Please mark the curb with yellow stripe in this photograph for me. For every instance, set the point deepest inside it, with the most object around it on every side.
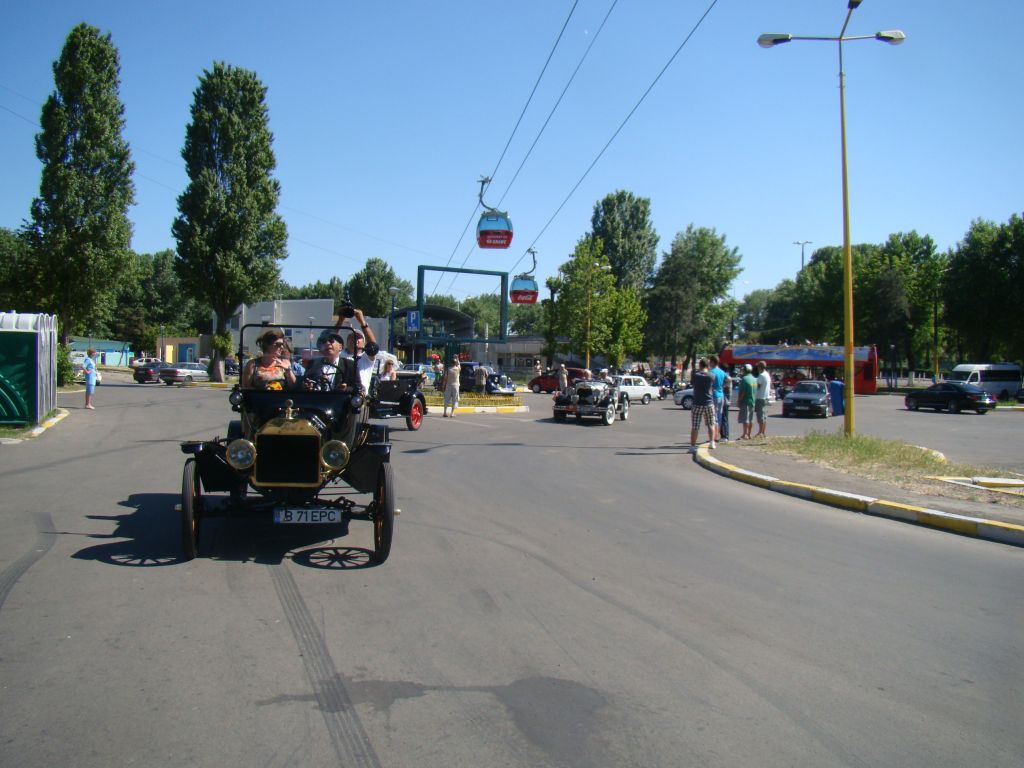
(992, 530)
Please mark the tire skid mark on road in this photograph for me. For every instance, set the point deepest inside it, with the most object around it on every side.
(45, 537)
(348, 737)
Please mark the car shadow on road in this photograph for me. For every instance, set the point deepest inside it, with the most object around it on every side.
(150, 535)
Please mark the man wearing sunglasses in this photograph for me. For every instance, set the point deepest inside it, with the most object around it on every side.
(332, 371)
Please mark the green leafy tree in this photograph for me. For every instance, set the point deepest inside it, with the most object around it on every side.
(442, 300)
(369, 288)
(80, 234)
(526, 319)
(626, 318)
(485, 310)
(587, 298)
(622, 221)
(229, 236)
(332, 289)
(982, 289)
(689, 289)
(779, 314)
(15, 262)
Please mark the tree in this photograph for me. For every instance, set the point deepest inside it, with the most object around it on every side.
(622, 221)
(526, 319)
(626, 320)
(15, 261)
(229, 236)
(80, 234)
(688, 290)
(369, 288)
(586, 297)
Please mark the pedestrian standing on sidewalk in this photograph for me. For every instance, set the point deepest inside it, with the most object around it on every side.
(89, 369)
(723, 420)
(451, 386)
(764, 382)
(703, 405)
(717, 381)
(748, 394)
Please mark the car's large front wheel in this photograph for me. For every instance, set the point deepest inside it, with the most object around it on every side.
(383, 514)
(191, 510)
(624, 413)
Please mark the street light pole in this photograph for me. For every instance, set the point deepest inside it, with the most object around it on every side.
(391, 323)
(893, 37)
(802, 243)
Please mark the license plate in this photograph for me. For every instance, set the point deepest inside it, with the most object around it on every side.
(802, 407)
(307, 515)
(570, 409)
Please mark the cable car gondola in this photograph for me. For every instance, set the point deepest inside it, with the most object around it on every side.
(524, 287)
(495, 228)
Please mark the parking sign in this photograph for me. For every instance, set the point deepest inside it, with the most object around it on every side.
(412, 320)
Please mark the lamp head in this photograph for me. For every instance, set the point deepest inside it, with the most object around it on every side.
(891, 36)
(771, 39)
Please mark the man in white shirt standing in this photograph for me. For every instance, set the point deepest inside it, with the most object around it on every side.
(361, 335)
(764, 381)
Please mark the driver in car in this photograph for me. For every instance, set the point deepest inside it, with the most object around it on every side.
(332, 371)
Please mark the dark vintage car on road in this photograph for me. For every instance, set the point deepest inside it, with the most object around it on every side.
(401, 398)
(293, 457)
(589, 399)
(808, 398)
(951, 396)
(148, 372)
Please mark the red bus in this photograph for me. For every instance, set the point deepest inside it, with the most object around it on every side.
(809, 361)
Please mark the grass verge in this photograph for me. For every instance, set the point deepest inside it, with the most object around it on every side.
(889, 461)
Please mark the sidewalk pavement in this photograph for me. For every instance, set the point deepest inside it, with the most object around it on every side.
(987, 519)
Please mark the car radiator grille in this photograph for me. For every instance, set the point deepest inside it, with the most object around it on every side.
(287, 460)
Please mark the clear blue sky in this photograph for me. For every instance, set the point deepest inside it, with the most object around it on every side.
(386, 114)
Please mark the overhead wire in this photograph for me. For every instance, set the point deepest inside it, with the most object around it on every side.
(618, 130)
(508, 143)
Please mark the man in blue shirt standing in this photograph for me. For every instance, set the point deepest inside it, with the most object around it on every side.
(717, 391)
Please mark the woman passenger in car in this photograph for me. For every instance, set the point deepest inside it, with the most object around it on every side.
(270, 370)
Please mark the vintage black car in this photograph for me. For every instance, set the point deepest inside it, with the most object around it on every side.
(294, 457)
(399, 398)
(588, 398)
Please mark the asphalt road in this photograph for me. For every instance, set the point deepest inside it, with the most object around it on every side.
(557, 595)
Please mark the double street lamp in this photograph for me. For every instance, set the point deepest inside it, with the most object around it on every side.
(893, 37)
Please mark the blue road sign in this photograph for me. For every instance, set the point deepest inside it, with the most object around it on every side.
(412, 320)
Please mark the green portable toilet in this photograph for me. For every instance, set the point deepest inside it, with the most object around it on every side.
(28, 367)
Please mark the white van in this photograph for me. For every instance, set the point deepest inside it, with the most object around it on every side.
(1001, 380)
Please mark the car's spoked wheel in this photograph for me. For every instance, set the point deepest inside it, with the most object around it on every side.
(625, 409)
(608, 417)
(383, 514)
(415, 417)
(191, 510)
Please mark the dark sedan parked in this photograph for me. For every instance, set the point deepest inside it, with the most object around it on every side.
(148, 372)
(808, 397)
(952, 396)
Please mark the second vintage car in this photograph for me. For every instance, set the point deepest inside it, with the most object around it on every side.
(592, 399)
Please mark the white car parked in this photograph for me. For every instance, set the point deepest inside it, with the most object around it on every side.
(637, 388)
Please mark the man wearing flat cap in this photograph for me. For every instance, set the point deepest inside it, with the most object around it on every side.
(332, 371)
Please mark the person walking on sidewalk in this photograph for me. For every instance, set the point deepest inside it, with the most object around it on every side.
(748, 394)
(717, 382)
(703, 405)
(764, 381)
